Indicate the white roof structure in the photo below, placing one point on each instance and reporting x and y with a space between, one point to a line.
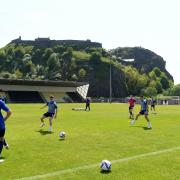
83 90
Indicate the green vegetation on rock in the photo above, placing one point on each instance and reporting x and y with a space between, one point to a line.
144 74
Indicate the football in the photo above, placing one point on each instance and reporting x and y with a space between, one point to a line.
105 165
62 135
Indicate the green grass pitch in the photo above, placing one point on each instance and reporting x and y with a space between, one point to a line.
103 133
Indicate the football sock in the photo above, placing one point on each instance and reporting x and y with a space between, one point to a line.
149 125
4 143
50 128
132 122
1 146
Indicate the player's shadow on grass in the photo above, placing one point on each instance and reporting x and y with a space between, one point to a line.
143 127
42 132
2 157
146 128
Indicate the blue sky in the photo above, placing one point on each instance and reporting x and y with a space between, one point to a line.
152 24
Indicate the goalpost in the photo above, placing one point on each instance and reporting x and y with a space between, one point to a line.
165 100
176 99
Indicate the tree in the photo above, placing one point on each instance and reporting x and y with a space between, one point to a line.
40 70
175 91
47 54
67 56
74 77
152 75
59 49
158 87
10 51
28 67
134 81
69 49
68 65
37 56
95 58
5 75
141 83
19 52
149 91
82 73
152 84
2 57
157 71
18 74
53 64
164 81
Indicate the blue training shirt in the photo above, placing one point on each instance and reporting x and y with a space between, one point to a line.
51 106
144 104
87 101
5 108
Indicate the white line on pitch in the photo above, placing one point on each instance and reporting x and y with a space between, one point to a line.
65 171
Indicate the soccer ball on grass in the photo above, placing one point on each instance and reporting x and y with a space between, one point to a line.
105 166
62 135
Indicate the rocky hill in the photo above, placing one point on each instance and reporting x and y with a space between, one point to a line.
134 70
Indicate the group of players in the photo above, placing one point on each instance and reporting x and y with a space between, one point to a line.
143 111
51 113
53 110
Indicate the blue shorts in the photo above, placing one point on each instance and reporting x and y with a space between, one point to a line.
2 132
143 112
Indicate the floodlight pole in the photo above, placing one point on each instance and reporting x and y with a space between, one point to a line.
110 84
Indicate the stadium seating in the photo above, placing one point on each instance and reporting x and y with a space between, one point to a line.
75 97
58 96
25 97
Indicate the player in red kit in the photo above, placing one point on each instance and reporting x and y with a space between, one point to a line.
131 102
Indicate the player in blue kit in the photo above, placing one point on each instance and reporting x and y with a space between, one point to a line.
143 111
51 113
5 144
87 104
2 125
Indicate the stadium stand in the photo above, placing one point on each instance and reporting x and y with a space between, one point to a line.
58 96
75 97
38 91
25 97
